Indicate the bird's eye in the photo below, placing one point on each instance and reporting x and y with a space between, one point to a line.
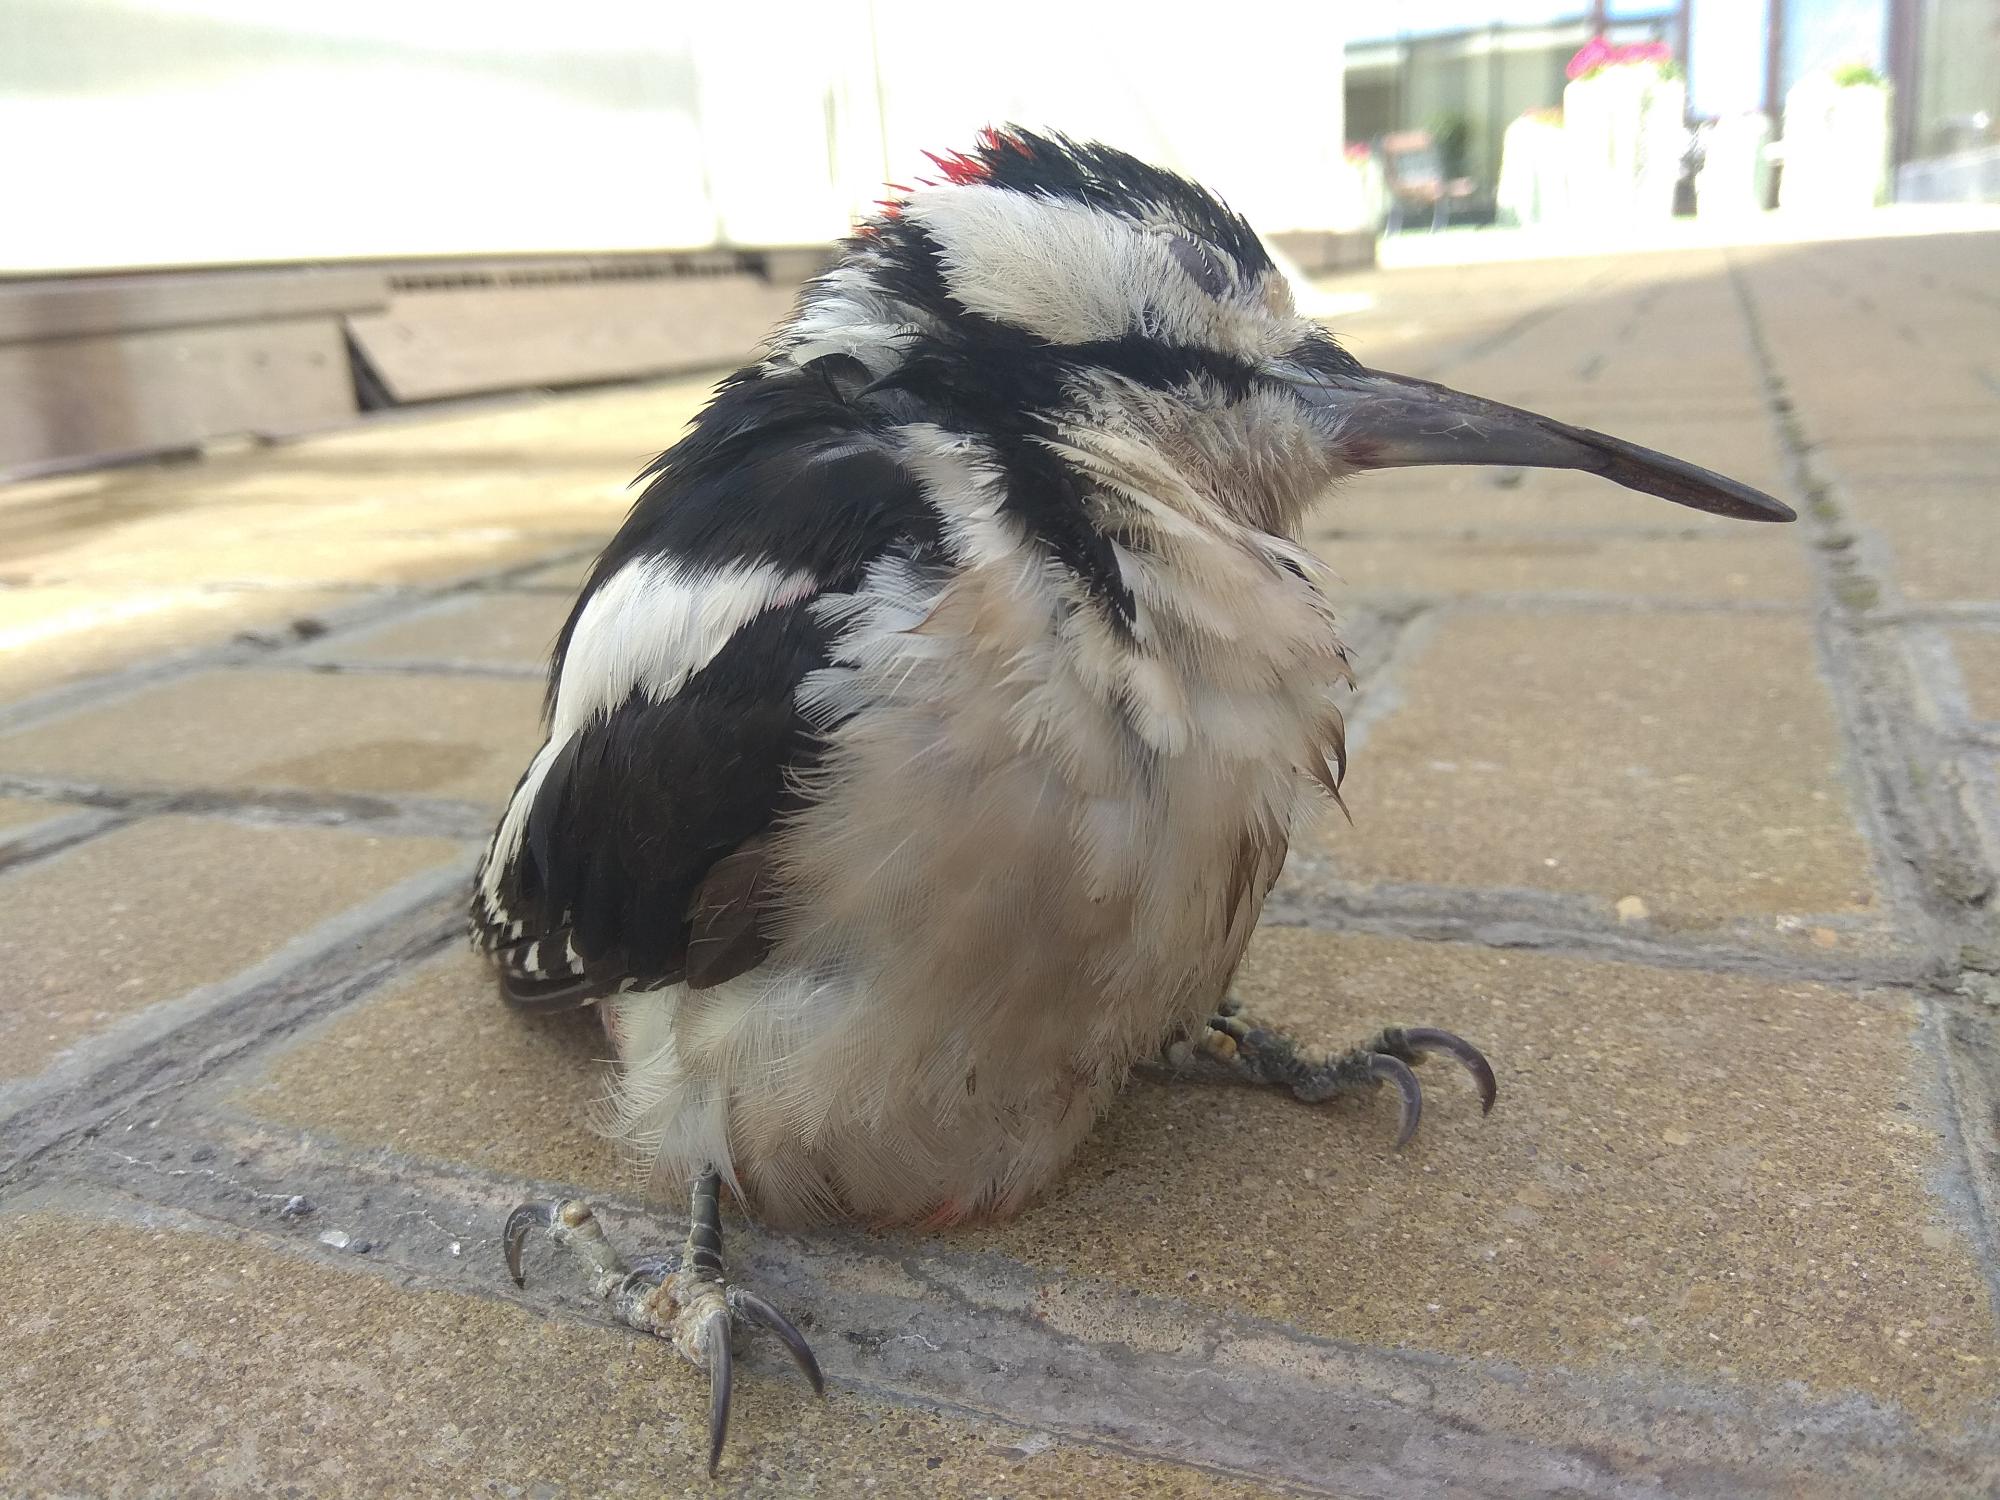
1203 266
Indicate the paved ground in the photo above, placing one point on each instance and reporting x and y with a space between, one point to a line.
1694 826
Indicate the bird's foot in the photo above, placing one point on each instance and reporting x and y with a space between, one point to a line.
683 1299
1230 1047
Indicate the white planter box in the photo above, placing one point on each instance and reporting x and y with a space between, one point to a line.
1623 134
1534 182
1735 178
1836 147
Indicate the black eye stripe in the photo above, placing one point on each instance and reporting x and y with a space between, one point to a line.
1202 264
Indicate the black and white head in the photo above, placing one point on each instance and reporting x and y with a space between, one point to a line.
1084 302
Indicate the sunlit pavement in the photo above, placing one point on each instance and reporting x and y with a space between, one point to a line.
1692 825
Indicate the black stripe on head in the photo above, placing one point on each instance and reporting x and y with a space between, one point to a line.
1099 175
1321 353
1007 390
1161 366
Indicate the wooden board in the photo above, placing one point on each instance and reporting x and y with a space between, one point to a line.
459 342
74 306
167 388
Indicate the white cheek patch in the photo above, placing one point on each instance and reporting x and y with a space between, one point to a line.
654 624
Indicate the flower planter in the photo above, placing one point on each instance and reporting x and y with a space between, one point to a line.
1533 186
1735 177
1836 150
1623 135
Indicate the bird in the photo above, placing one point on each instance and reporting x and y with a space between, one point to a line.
923 746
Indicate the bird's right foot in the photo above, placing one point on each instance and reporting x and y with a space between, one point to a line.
683 1299
1229 1047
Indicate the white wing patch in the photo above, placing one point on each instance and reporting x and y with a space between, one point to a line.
654 624
650 627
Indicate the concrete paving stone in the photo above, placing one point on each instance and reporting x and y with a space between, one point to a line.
52 544
1706 1176
1811 364
569 575
1844 422
1571 351
1978 655
306 558
163 1361
51 636
1711 1176
386 502
1688 761
157 908
436 1065
494 629
628 418
17 815
140 530
1943 533
438 736
1917 452
1765 565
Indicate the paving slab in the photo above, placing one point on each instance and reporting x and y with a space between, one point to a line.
1715 569
17 814
1689 763
569 576
1943 533
55 635
323 557
432 735
1713 1176
438 1066
1978 656
153 910
210 1367
477 629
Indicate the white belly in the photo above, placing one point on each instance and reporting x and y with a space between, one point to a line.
1037 847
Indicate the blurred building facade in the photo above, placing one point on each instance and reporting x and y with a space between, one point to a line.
1462 70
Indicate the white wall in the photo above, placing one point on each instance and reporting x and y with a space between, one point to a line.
177 132
1248 101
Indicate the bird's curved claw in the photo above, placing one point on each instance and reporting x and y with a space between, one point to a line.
1423 1039
684 1299
762 1313
1390 1056
1394 1070
523 1220
721 1376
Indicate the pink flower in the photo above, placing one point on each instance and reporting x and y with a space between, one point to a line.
1591 56
1595 55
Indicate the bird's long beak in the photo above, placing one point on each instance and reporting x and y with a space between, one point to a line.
1383 421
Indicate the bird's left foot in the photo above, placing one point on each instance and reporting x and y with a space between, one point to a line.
1229 1047
683 1299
